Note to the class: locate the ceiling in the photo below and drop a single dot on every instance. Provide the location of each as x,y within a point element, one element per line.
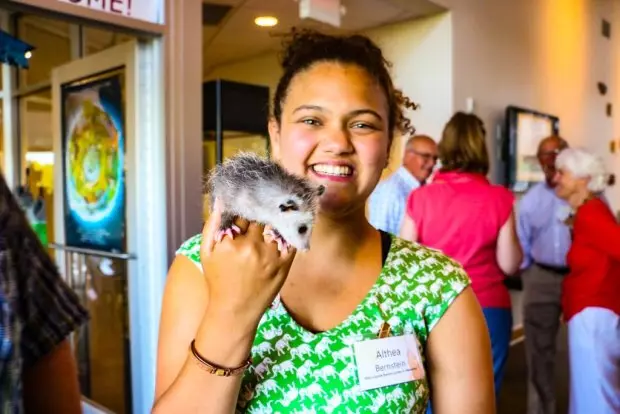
<point>229,32</point>
<point>235,36</point>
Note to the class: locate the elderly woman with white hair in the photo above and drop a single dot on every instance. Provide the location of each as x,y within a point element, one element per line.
<point>591,291</point>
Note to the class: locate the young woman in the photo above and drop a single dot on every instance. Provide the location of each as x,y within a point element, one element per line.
<point>357,293</point>
<point>471,221</point>
<point>591,291</point>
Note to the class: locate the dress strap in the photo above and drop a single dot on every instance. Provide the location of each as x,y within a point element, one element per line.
<point>386,244</point>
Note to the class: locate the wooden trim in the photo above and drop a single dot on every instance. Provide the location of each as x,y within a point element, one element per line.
<point>518,333</point>
<point>94,16</point>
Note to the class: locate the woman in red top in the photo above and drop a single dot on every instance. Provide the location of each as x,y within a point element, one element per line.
<point>591,291</point>
<point>472,221</point>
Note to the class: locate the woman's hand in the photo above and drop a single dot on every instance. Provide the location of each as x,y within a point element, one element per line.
<point>219,309</point>
<point>243,274</point>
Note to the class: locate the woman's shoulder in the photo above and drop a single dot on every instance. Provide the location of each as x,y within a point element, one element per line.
<point>190,248</point>
<point>594,209</point>
<point>427,270</point>
<point>415,259</point>
<point>598,204</point>
<point>502,192</point>
<point>413,253</point>
<point>425,277</point>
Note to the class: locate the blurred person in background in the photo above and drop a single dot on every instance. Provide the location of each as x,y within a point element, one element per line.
<point>467,218</point>
<point>38,311</point>
<point>545,240</point>
<point>386,205</point>
<point>591,290</point>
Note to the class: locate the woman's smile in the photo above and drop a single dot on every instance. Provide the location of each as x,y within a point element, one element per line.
<point>337,171</point>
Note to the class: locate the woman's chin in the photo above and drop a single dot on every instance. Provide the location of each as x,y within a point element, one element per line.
<point>335,205</point>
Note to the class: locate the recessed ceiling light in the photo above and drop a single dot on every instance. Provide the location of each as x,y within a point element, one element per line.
<point>266,21</point>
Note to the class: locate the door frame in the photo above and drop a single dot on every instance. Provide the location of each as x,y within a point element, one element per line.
<point>145,176</point>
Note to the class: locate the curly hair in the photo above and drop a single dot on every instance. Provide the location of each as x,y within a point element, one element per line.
<point>304,48</point>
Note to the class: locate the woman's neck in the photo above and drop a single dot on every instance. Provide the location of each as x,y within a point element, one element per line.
<point>341,235</point>
<point>580,197</point>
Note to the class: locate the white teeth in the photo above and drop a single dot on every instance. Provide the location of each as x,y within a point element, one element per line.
<point>338,170</point>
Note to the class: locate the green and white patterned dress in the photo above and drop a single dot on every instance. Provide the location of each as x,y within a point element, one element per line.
<point>297,371</point>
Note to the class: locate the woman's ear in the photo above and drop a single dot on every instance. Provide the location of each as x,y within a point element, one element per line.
<point>274,137</point>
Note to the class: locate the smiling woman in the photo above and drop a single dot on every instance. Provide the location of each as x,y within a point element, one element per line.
<point>591,290</point>
<point>356,294</point>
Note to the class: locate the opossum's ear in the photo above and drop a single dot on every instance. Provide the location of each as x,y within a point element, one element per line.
<point>290,205</point>
<point>320,190</point>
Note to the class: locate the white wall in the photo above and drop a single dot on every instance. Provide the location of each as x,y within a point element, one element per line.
<point>421,53</point>
<point>542,54</point>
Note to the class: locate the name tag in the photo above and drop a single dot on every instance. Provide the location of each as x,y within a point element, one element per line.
<point>388,361</point>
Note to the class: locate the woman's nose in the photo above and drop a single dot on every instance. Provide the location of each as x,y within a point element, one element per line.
<point>338,141</point>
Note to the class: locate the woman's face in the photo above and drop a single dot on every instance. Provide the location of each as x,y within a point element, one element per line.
<point>567,186</point>
<point>334,130</point>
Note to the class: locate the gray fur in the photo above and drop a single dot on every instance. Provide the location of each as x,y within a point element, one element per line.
<point>260,190</point>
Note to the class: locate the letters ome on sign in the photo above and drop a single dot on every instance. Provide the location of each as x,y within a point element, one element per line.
<point>147,10</point>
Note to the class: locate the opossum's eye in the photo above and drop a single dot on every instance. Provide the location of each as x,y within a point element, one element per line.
<point>289,206</point>
<point>320,190</point>
<point>302,229</point>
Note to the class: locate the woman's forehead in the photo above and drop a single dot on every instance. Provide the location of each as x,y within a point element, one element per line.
<point>332,85</point>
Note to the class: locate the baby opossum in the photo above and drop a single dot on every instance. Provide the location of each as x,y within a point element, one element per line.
<point>260,190</point>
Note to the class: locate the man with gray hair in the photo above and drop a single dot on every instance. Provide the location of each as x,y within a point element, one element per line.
<point>545,240</point>
<point>386,205</point>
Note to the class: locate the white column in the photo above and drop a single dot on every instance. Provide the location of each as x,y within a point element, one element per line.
<point>147,221</point>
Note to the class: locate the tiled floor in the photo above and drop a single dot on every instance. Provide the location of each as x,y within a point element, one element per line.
<point>513,397</point>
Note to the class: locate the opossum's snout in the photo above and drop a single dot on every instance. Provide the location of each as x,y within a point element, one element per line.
<point>304,245</point>
<point>299,235</point>
<point>304,233</point>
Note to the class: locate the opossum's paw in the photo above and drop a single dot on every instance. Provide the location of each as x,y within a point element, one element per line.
<point>227,227</point>
<point>282,244</point>
<point>230,232</point>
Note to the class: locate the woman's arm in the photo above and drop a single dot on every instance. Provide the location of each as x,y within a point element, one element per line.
<point>51,384</point>
<point>460,362</point>
<point>179,380</point>
<point>220,308</point>
<point>408,230</point>
<point>509,253</point>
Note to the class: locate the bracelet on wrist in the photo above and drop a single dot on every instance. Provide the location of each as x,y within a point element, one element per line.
<point>214,369</point>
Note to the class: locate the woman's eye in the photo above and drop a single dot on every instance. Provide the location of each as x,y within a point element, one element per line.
<point>310,121</point>
<point>362,125</point>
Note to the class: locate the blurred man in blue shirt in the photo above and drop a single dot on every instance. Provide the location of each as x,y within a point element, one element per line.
<point>545,240</point>
<point>386,205</point>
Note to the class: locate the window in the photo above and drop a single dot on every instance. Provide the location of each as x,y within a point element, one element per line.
<point>52,42</point>
<point>97,40</point>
